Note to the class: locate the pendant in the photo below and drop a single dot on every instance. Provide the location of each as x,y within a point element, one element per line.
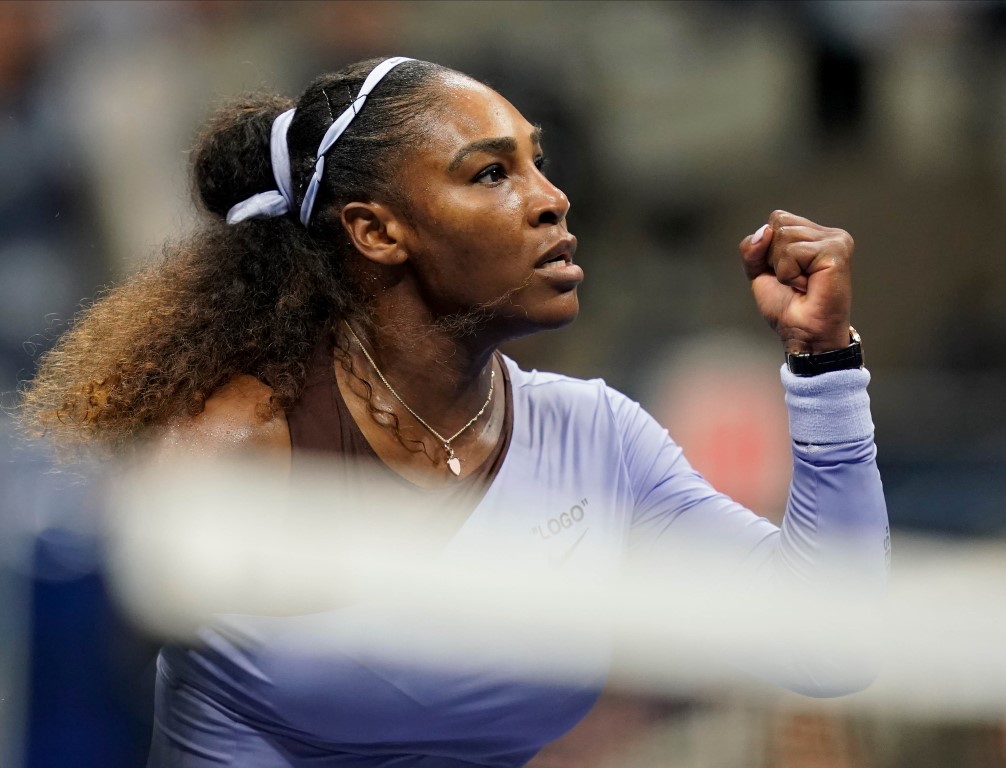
<point>454,463</point>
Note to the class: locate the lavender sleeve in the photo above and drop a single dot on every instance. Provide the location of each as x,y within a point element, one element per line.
<point>836,516</point>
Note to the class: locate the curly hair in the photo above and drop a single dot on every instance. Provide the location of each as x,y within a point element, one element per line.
<point>253,298</point>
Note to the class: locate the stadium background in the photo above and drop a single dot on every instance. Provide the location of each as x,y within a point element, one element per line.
<point>675,128</point>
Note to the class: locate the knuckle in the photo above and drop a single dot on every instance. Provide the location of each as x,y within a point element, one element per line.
<point>842,247</point>
<point>844,239</point>
<point>786,267</point>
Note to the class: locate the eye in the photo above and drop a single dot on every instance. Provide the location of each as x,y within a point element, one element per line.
<point>541,163</point>
<point>494,174</point>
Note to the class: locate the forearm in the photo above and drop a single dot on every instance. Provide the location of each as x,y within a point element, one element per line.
<point>836,517</point>
<point>830,558</point>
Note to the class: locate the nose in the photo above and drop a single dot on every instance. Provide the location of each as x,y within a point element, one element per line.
<point>550,204</point>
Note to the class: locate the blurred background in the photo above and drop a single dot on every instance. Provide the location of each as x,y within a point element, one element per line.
<point>675,128</point>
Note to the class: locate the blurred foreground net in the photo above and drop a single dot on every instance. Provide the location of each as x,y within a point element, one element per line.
<point>190,543</point>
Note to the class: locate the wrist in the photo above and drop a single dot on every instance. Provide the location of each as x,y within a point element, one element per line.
<point>846,355</point>
<point>805,344</point>
<point>825,410</point>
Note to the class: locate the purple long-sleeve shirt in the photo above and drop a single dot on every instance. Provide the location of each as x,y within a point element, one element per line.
<point>589,477</point>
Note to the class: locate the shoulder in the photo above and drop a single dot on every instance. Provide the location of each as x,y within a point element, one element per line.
<point>237,418</point>
<point>546,382</point>
<point>567,393</point>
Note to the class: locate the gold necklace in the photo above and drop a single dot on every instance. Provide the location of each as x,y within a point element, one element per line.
<point>453,462</point>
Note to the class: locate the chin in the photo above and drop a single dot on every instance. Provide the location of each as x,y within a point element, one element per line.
<point>558,312</point>
<point>563,319</point>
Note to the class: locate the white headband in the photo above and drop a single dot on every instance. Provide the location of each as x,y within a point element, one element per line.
<point>279,201</point>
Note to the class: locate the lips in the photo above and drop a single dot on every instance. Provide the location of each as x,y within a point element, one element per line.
<point>556,266</point>
<point>559,254</point>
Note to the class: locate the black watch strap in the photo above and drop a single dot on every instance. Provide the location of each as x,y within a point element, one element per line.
<point>839,360</point>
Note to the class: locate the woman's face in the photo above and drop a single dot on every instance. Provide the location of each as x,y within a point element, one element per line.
<point>487,229</point>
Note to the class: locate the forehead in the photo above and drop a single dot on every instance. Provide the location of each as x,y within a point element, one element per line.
<point>471,111</point>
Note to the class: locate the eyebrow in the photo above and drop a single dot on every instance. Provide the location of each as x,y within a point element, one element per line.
<point>503,144</point>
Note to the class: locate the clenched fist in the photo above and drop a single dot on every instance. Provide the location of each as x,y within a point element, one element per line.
<point>801,276</point>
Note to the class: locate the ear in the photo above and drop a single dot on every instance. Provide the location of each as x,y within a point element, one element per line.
<point>377,231</point>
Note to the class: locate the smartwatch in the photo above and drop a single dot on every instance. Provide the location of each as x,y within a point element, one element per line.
<point>850,357</point>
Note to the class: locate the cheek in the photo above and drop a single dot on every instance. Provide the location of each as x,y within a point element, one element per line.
<point>474,231</point>
<point>498,223</point>
<point>512,206</point>
<point>473,245</point>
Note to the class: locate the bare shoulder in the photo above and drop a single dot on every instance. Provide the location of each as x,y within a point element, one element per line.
<point>236,419</point>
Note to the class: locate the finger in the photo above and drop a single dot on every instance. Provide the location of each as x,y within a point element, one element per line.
<point>788,269</point>
<point>812,257</point>
<point>794,232</point>
<point>754,251</point>
<point>826,274</point>
<point>793,263</point>
<point>802,245</point>
<point>791,253</point>
<point>779,218</point>
<point>759,240</point>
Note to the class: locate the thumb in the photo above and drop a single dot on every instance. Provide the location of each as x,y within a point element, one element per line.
<point>754,251</point>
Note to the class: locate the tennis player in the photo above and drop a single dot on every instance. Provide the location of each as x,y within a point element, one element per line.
<point>365,252</point>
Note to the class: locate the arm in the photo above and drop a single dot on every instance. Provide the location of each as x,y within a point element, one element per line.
<point>801,279</point>
<point>834,535</point>
<point>237,420</point>
<point>836,517</point>
<point>835,527</point>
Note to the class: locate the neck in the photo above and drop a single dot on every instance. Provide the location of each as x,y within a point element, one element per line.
<point>443,378</point>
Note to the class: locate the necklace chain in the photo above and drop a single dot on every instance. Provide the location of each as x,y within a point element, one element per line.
<point>452,462</point>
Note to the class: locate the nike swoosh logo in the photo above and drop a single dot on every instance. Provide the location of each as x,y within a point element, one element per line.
<point>565,555</point>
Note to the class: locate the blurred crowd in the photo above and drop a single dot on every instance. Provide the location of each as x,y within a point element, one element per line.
<point>675,128</point>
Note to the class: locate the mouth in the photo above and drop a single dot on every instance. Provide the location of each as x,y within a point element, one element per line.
<point>556,267</point>
<point>559,255</point>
